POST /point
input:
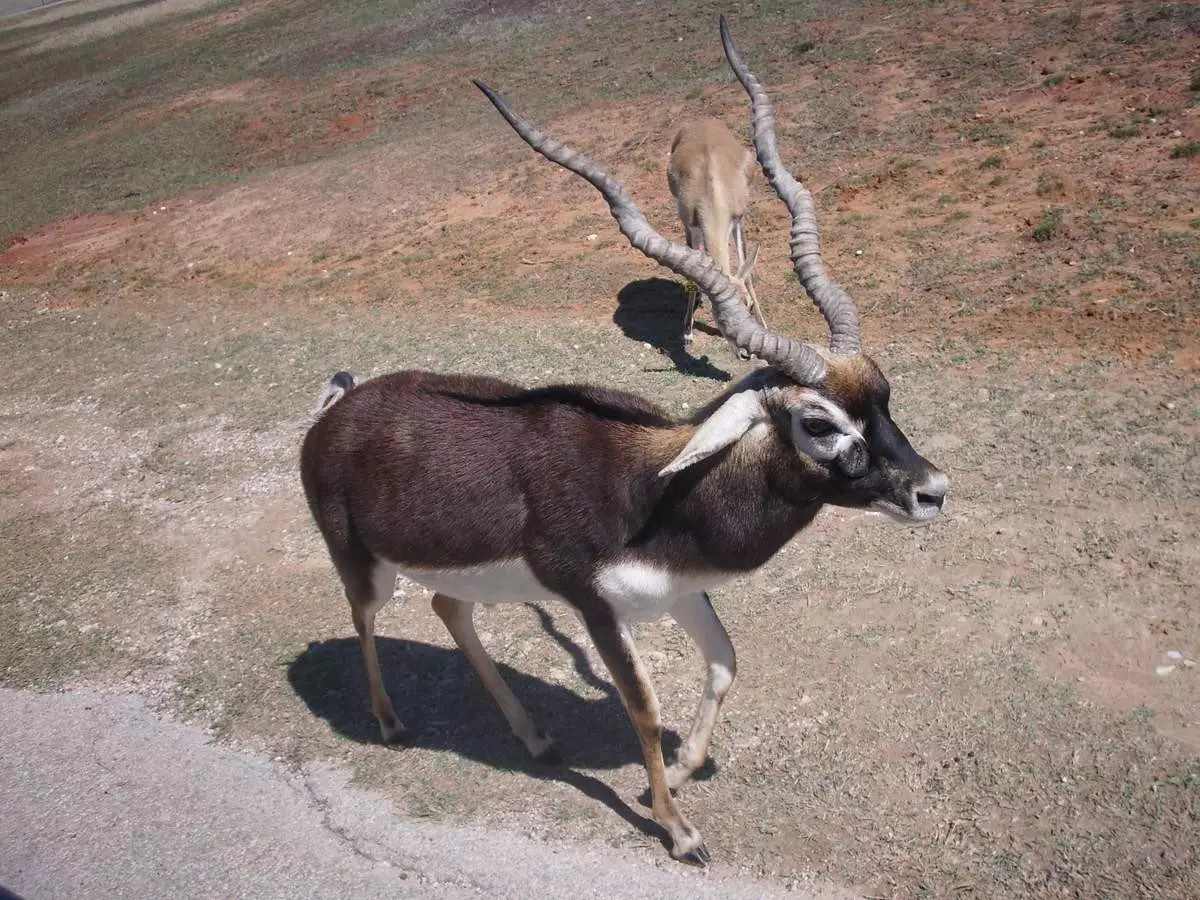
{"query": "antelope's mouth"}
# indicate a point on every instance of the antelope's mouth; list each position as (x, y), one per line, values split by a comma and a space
(924, 502)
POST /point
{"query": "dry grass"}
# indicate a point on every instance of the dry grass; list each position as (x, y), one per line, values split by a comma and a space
(971, 708)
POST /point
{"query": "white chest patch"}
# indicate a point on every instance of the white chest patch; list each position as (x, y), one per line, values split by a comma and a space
(640, 592)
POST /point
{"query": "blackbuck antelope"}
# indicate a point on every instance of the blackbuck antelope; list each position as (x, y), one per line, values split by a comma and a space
(709, 176)
(485, 492)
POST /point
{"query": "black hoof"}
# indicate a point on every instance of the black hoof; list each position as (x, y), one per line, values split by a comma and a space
(696, 857)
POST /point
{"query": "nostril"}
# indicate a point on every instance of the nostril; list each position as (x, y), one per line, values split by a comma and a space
(932, 492)
(926, 499)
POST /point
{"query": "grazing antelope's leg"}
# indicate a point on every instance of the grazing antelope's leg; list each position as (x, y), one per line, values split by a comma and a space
(696, 616)
(458, 617)
(367, 595)
(695, 240)
(739, 245)
(615, 644)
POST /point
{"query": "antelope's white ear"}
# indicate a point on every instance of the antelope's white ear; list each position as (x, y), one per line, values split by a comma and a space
(724, 427)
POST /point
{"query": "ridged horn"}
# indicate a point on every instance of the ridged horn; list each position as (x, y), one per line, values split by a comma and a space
(835, 305)
(802, 362)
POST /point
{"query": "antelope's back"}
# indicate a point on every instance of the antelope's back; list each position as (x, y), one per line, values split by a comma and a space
(705, 150)
(449, 470)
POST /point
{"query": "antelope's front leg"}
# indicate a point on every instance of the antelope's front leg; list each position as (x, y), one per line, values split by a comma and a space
(695, 614)
(739, 245)
(615, 644)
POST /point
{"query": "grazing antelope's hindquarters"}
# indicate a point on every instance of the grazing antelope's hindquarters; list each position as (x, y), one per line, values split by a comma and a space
(486, 492)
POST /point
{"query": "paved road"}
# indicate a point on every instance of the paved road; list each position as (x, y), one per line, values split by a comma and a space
(100, 798)
(12, 7)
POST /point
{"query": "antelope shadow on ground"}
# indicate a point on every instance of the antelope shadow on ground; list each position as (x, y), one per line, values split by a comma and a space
(441, 700)
(651, 312)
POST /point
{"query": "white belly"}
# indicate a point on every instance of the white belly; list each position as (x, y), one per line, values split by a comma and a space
(636, 591)
(510, 581)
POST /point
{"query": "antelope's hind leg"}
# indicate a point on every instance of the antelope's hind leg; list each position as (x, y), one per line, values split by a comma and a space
(368, 589)
(459, 619)
(695, 240)
(696, 616)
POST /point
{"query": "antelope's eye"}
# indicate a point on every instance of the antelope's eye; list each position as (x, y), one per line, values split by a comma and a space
(817, 427)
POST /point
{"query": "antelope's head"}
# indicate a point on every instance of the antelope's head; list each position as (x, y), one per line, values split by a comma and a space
(827, 405)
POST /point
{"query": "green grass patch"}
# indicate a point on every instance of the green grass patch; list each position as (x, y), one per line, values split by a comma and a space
(1050, 225)
(1186, 150)
(1121, 132)
(1048, 183)
(992, 133)
(992, 162)
(1054, 80)
(133, 166)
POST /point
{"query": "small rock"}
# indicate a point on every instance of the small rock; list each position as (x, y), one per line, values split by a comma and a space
(1164, 670)
(1189, 663)
(1168, 405)
(591, 237)
(1174, 654)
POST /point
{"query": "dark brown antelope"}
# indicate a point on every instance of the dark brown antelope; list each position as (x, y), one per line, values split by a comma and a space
(709, 176)
(485, 492)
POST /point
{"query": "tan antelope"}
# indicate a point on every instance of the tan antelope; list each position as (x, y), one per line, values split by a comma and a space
(486, 492)
(709, 176)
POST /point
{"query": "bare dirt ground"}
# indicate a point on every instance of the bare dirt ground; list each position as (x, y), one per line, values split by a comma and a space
(206, 213)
